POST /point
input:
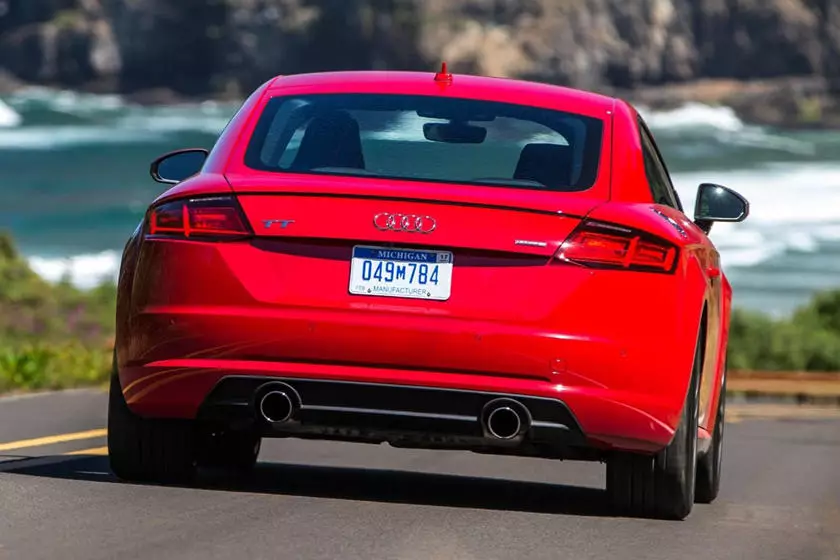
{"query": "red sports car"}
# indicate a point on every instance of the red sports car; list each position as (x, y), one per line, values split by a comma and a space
(432, 261)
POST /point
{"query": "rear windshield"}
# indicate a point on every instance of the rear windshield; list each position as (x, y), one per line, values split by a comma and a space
(427, 138)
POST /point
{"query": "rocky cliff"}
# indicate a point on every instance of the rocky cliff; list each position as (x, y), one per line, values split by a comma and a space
(227, 47)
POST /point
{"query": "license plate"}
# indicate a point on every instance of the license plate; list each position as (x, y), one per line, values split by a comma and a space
(404, 273)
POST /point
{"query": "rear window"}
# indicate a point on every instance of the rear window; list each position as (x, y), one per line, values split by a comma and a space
(427, 138)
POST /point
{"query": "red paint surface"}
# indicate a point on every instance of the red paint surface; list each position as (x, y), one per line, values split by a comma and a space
(615, 345)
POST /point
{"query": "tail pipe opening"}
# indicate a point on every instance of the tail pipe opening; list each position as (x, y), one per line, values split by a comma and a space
(505, 419)
(277, 403)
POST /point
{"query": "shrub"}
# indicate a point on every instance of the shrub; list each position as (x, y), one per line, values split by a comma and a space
(51, 335)
(53, 366)
(809, 340)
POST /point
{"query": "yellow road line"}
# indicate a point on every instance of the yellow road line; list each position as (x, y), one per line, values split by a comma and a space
(91, 451)
(50, 440)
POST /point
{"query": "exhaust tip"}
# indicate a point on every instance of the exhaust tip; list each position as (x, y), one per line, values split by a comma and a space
(276, 407)
(504, 423)
(505, 419)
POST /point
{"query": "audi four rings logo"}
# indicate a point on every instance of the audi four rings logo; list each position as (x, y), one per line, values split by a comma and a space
(410, 223)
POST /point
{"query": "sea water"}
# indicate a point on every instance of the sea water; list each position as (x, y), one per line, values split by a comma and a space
(74, 184)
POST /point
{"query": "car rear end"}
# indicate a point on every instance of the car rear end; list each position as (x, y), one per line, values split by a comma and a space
(414, 267)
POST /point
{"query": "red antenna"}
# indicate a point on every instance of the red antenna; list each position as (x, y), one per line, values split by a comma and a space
(443, 76)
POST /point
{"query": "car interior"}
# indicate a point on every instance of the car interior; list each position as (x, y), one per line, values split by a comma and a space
(328, 140)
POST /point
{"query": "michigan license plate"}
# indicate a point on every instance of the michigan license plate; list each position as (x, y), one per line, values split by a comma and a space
(405, 273)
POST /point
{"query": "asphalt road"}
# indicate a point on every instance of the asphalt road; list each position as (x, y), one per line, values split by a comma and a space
(308, 500)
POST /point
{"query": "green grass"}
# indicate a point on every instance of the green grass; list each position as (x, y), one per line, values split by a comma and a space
(51, 335)
(55, 336)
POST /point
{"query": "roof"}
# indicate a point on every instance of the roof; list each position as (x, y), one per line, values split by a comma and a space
(462, 85)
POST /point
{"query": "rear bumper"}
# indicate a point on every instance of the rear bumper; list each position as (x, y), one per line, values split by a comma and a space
(404, 416)
(614, 348)
(406, 408)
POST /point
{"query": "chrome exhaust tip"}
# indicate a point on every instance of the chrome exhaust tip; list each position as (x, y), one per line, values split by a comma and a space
(276, 407)
(277, 402)
(505, 419)
(504, 423)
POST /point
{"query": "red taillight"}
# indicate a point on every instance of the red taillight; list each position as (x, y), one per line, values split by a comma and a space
(610, 246)
(200, 217)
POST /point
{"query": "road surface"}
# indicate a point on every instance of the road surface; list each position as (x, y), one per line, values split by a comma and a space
(316, 500)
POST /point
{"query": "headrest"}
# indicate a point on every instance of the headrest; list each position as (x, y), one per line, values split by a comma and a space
(331, 140)
(549, 164)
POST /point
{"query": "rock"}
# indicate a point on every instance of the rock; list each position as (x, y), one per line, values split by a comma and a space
(68, 47)
(831, 42)
(227, 47)
(749, 39)
(9, 83)
(168, 44)
(254, 28)
(625, 43)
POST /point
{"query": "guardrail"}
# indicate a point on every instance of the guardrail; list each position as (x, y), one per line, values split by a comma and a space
(803, 387)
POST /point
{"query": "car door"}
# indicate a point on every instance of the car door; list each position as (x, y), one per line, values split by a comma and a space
(668, 202)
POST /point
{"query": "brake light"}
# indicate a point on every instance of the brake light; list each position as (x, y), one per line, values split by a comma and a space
(605, 245)
(199, 217)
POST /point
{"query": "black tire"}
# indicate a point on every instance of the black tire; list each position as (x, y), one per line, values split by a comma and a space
(146, 449)
(232, 451)
(661, 486)
(710, 465)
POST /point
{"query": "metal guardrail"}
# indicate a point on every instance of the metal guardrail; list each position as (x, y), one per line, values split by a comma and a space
(801, 386)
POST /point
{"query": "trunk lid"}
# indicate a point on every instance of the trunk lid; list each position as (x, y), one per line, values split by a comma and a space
(356, 211)
(480, 254)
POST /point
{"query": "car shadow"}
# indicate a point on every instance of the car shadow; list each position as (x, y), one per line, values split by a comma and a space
(368, 484)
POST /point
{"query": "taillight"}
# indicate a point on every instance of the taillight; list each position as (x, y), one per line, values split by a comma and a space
(602, 245)
(198, 218)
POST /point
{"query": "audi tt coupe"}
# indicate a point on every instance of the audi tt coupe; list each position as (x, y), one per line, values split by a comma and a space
(433, 261)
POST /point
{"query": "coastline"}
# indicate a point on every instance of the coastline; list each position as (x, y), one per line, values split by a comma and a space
(793, 102)
(785, 103)
(707, 140)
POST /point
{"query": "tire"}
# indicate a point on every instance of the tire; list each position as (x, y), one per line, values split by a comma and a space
(146, 449)
(709, 467)
(661, 486)
(232, 451)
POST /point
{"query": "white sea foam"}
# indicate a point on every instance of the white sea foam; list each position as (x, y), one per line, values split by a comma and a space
(52, 137)
(699, 120)
(65, 101)
(795, 207)
(172, 121)
(127, 130)
(100, 119)
(693, 115)
(84, 271)
(9, 118)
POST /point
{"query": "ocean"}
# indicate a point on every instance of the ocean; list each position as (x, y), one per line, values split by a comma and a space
(74, 184)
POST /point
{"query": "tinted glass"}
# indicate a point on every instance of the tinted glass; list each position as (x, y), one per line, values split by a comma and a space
(657, 175)
(719, 204)
(428, 138)
(180, 166)
(656, 182)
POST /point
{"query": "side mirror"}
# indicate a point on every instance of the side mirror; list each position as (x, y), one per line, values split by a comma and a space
(716, 203)
(174, 167)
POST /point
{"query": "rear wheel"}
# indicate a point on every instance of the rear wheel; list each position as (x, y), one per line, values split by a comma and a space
(662, 485)
(709, 467)
(146, 449)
